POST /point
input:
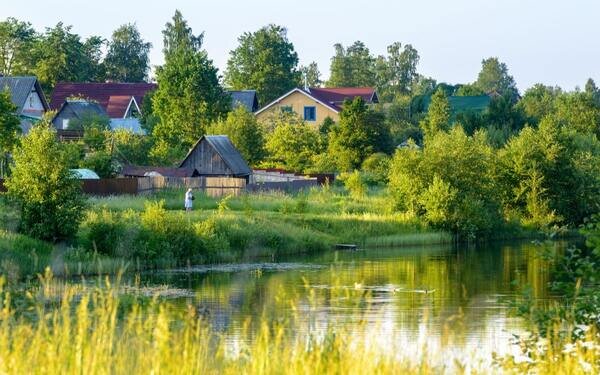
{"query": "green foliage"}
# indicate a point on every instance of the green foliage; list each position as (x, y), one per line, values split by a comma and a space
(130, 148)
(16, 41)
(376, 168)
(49, 198)
(189, 96)
(469, 90)
(293, 145)
(265, 61)
(494, 78)
(538, 102)
(310, 75)
(73, 153)
(560, 164)
(10, 129)
(100, 162)
(579, 111)
(352, 67)
(60, 55)
(354, 183)
(450, 183)
(360, 132)
(397, 72)
(127, 56)
(438, 115)
(244, 132)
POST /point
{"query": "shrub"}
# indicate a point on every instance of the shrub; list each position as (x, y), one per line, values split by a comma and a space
(49, 197)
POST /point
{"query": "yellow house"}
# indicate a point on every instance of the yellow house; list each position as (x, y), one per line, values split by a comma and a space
(315, 104)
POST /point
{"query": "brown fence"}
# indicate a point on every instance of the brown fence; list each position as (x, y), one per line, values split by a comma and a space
(110, 186)
(2, 187)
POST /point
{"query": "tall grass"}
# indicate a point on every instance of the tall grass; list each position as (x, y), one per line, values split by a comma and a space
(90, 331)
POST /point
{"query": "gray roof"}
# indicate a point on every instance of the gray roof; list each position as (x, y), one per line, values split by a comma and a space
(247, 98)
(20, 87)
(227, 151)
(81, 107)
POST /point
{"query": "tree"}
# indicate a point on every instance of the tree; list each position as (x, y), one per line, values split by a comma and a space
(50, 199)
(538, 102)
(438, 114)
(16, 40)
(450, 182)
(310, 75)
(579, 111)
(127, 56)
(244, 132)
(9, 129)
(360, 132)
(352, 67)
(494, 78)
(397, 72)
(60, 55)
(552, 169)
(293, 146)
(266, 61)
(189, 96)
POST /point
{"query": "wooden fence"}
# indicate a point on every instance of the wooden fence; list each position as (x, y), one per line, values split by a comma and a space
(211, 186)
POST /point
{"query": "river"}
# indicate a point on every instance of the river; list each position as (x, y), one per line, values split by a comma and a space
(451, 298)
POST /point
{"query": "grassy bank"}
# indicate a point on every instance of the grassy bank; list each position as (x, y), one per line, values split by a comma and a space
(92, 332)
(153, 231)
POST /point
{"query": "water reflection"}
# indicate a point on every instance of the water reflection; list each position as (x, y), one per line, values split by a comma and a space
(457, 298)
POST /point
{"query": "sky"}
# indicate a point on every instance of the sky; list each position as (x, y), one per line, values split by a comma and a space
(551, 42)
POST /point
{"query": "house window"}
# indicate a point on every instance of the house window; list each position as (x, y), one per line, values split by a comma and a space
(286, 109)
(310, 113)
(65, 124)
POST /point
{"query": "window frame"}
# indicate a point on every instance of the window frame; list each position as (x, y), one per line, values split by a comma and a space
(314, 113)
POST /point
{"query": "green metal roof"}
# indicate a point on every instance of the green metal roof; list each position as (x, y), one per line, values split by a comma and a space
(85, 174)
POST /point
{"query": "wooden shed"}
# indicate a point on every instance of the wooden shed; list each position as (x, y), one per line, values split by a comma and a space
(216, 156)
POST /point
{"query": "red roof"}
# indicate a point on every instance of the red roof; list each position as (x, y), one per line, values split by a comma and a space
(335, 96)
(113, 97)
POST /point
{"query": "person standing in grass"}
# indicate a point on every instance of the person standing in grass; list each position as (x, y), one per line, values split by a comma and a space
(189, 197)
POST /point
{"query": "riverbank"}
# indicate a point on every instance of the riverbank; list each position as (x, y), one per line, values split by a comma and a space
(153, 231)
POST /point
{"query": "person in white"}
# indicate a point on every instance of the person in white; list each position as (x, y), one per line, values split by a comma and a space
(188, 200)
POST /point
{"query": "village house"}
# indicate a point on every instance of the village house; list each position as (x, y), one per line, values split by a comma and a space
(76, 109)
(314, 104)
(216, 156)
(245, 98)
(122, 102)
(26, 93)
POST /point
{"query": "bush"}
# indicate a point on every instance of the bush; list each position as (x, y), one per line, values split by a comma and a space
(376, 168)
(49, 197)
(355, 184)
(450, 183)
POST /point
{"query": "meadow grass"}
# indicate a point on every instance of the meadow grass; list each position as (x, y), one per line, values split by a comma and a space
(76, 330)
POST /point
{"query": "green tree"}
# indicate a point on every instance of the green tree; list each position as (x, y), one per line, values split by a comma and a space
(397, 72)
(10, 130)
(352, 67)
(553, 165)
(265, 61)
(538, 102)
(310, 75)
(49, 197)
(16, 40)
(438, 114)
(360, 132)
(579, 111)
(469, 90)
(127, 56)
(494, 78)
(450, 182)
(244, 132)
(60, 55)
(130, 148)
(293, 146)
(189, 96)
